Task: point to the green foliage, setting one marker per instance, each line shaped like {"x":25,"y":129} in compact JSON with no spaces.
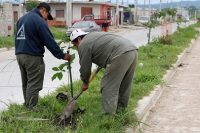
{"x":127,"y":9}
{"x":7,"y":41}
{"x":179,"y":20}
{"x":172,"y":12}
{"x":131,"y":6}
{"x":166,"y":39}
{"x":30,"y":4}
{"x":162,"y":14}
{"x":152,"y":23}
{"x":59,"y":33}
{"x":61,"y":69}
{"x":156,"y":59}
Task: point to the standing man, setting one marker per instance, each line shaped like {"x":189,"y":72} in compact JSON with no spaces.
{"x":31,"y":37}
{"x":117,"y":55}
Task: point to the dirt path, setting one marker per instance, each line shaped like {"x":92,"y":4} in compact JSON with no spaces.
{"x":178,"y":110}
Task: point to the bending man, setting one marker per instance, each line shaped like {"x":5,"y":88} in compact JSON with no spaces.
{"x":117,"y":55}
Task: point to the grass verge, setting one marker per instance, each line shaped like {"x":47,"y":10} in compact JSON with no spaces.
{"x":156,"y":59}
{"x":7,"y":42}
{"x":58,"y":33}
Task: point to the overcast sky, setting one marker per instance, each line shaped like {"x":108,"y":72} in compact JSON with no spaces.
{"x":152,"y":1}
{"x":125,"y":1}
{"x":158,"y":1}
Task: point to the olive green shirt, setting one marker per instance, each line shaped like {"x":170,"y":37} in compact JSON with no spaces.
{"x":100,"y":48}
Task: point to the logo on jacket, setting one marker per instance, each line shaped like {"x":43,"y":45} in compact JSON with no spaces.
{"x":21,"y":33}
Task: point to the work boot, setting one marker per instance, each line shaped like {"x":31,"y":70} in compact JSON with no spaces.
{"x":120,"y":110}
{"x":34,"y":109}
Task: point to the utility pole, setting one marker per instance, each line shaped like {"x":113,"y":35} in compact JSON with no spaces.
{"x":181,"y":8}
{"x":135,"y":12}
{"x":149,"y":7}
{"x":171,"y":4}
{"x":117,"y":15}
{"x":144,"y":13}
{"x":68,"y":15}
{"x":195,"y":16}
{"x":160,"y":5}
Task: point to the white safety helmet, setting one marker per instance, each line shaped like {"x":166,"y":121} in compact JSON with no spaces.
{"x":76,"y":33}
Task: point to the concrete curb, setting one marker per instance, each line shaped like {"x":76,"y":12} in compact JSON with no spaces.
{"x":148,"y":102}
{"x":3,"y":49}
{"x":6,"y":49}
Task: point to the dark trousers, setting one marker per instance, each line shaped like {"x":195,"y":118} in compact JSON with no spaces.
{"x":32,"y":74}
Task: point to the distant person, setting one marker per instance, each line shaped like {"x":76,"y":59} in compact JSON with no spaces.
{"x":31,"y":37}
{"x":117,"y":55}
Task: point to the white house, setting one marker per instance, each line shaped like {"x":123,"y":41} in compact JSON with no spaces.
{"x":10,"y":13}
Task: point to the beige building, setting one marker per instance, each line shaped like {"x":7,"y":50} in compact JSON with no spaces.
{"x":10,"y":13}
{"x":79,"y":9}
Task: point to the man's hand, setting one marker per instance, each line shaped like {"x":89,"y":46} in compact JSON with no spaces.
{"x":67,"y":57}
{"x":84,"y":86}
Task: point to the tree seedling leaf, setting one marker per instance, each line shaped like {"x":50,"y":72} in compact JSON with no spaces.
{"x":55,"y":69}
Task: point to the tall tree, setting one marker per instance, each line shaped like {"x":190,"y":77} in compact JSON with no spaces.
{"x":31,"y":4}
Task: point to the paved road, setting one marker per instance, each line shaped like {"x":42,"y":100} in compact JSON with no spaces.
{"x":10,"y":79}
{"x":139,"y":37}
{"x":177,"y":111}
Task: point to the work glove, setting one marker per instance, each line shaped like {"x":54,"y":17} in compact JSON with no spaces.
{"x":84,"y":86}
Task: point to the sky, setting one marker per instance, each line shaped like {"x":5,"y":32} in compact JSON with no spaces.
{"x":125,"y":1}
{"x":158,"y":1}
{"x":152,"y":1}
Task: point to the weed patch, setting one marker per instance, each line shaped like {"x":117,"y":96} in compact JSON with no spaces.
{"x":58,"y":33}
{"x":7,"y":42}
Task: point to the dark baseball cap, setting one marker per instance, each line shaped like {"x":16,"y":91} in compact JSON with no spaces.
{"x":47,"y":7}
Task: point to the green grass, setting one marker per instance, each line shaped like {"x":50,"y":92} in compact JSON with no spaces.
{"x":7,"y":42}
{"x":58,"y":33}
{"x":156,"y":59}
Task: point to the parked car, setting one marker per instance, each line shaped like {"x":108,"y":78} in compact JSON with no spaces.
{"x":87,"y":26}
{"x":144,"y":19}
{"x":90,"y":17}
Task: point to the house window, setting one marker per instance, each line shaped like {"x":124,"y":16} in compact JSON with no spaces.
{"x":59,"y":13}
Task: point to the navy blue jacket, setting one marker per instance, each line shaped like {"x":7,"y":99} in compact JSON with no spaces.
{"x":33,"y":34}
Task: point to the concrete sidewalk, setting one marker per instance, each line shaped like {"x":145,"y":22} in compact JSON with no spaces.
{"x":178,"y":108}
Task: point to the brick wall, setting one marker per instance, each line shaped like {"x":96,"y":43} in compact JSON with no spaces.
{"x":6,"y":20}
